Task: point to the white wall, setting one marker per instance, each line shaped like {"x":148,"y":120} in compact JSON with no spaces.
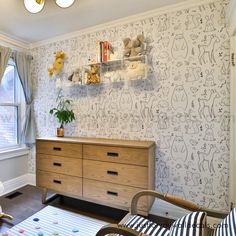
{"x":13,"y":168}
{"x":183,"y":106}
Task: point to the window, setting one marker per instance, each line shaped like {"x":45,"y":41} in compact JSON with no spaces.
{"x":10,"y":108}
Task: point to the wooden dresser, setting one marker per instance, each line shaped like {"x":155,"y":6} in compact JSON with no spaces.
{"x":104,"y":171}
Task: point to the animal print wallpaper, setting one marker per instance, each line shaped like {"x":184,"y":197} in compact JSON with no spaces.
{"x":183,"y":105}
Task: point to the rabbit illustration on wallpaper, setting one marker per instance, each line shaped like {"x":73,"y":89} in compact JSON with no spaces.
{"x":179,"y":48}
{"x":209,"y":81}
{"x":179,"y":99}
{"x":209,"y":134}
{"x":179,"y":149}
{"x":208,"y":188}
{"x":209,"y":23}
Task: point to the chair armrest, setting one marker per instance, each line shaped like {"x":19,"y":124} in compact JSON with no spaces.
{"x":116,"y":229}
{"x":3,"y":215}
{"x":179,"y":202}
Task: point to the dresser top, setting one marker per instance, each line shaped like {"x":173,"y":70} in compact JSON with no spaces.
{"x":102,"y":141}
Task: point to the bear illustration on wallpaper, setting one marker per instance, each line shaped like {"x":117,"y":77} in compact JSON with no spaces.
{"x":179,"y":149}
{"x":179,"y":98}
{"x":179,"y":48}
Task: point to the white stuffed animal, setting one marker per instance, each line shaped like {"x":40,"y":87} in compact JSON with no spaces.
{"x":136,"y":70}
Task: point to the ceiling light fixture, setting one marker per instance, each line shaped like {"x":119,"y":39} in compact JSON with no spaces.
{"x":35,"y":6}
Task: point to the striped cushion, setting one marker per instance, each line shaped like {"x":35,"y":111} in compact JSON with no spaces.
{"x":145,"y":226}
{"x":227,"y":226}
{"x":191,"y":224}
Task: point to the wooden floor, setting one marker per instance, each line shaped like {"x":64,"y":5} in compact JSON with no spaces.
{"x":28,"y":202}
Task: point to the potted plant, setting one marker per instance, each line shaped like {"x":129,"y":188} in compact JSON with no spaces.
{"x":63,"y":113}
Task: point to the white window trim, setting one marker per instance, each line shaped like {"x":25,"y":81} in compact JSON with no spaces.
{"x":20,"y":149}
{"x":14,"y":152}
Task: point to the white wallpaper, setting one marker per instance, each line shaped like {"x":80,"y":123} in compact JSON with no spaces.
{"x":183,"y":105}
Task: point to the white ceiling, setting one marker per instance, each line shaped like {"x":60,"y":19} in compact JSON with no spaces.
{"x":53,"y":21}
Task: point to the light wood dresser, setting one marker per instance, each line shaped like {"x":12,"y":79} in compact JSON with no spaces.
{"x":104,"y":171}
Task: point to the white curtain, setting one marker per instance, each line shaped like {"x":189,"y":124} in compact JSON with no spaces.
{"x":5,"y":54}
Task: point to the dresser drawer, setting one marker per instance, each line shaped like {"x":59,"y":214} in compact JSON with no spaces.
{"x":59,"y":182}
{"x":112,"y":194}
{"x":134,"y":156}
{"x":60,"y":165}
{"x":59,"y":148}
{"x":135,"y":176}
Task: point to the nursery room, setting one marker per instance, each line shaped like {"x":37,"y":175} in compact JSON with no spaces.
{"x":117,"y":117}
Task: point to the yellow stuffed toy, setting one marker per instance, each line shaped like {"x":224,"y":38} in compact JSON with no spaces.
{"x":93,"y":75}
{"x":58,"y":64}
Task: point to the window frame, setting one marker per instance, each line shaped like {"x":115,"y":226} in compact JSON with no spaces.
{"x":20,"y":106}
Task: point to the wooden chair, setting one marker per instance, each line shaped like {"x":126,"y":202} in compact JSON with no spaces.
{"x":126,"y":228}
{"x":3,"y":215}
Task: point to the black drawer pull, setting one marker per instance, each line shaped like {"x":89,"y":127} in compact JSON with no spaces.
{"x":56,"y":181}
{"x":109,"y":172}
{"x":56,"y":148}
{"x":112,"y":193}
{"x":112,"y":154}
{"x":56,"y":164}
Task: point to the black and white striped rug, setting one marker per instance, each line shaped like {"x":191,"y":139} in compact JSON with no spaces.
{"x":52,"y":221}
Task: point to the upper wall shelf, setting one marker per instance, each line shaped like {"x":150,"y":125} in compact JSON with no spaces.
{"x":132,"y":68}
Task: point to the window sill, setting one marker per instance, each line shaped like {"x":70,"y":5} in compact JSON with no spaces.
{"x":11,"y":153}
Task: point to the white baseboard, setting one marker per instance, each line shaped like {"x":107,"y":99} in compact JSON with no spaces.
{"x":13,"y":184}
{"x":165,"y":209}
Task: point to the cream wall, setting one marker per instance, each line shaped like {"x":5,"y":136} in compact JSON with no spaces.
{"x":183,"y":105}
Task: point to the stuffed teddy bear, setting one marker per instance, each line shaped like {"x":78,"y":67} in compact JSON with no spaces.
{"x":93,"y":75}
{"x":58,"y":64}
{"x":135,"y":70}
{"x":134,"y":47}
